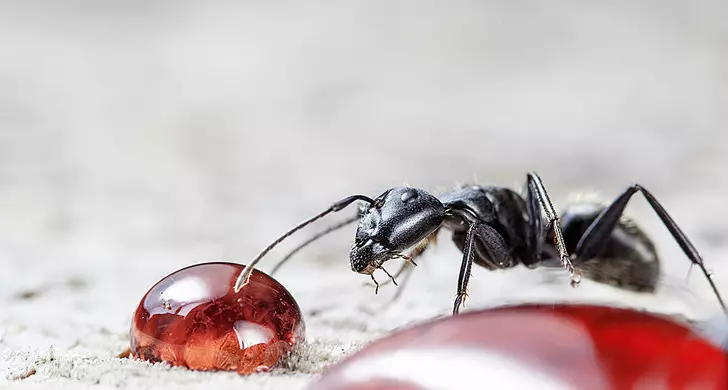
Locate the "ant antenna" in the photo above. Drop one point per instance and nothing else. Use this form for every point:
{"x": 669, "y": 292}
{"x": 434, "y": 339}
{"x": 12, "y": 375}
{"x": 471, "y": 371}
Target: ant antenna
{"x": 312, "y": 239}
{"x": 244, "y": 276}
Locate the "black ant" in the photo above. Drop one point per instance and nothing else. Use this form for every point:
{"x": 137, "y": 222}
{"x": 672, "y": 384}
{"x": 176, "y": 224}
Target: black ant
{"x": 497, "y": 228}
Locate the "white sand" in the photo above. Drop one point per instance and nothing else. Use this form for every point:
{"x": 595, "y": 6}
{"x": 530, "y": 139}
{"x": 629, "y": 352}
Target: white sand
{"x": 136, "y": 139}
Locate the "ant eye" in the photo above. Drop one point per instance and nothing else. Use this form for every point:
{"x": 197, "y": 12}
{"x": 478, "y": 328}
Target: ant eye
{"x": 408, "y": 196}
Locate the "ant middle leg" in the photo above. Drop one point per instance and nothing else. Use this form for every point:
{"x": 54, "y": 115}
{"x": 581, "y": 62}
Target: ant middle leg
{"x": 537, "y": 193}
{"x": 596, "y": 237}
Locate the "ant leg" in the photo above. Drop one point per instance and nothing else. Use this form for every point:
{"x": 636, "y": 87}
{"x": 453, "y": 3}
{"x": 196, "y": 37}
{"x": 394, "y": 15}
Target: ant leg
{"x": 536, "y": 187}
{"x": 244, "y": 276}
{"x": 402, "y": 283}
{"x": 535, "y": 227}
{"x": 407, "y": 269}
{"x": 312, "y": 239}
{"x": 409, "y": 258}
{"x": 376, "y": 290}
{"x": 595, "y": 237}
{"x": 496, "y": 248}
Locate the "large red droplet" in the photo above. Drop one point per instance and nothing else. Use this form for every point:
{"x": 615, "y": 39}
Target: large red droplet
{"x": 537, "y": 346}
{"x": 193, "y": 318}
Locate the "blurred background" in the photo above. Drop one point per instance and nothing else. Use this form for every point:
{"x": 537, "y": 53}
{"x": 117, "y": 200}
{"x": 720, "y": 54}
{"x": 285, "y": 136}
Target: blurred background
{"x": 140, "y": 137}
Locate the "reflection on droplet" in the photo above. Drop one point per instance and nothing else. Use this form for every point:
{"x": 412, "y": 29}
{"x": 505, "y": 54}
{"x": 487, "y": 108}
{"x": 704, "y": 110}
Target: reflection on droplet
{"x": 536, "y": 346}
{"x": 250, "y": 334}
{"x": 189, "y": 289}
{"x": 424, "y": 367}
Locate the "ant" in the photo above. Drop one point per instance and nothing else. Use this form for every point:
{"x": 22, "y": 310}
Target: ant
{"x": 497, "y": 228}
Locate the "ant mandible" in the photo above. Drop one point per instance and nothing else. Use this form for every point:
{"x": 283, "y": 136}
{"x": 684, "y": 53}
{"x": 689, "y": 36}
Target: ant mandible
{"x": 497, "y": 228}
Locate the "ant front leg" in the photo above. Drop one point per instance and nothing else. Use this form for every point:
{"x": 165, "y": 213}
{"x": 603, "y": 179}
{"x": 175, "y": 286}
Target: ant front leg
{"x": 408, "y": 264}
{"x": 595, "y": 237}
{"x": 409, "y": 259}
{"x": 537, "y": 191}
{"x": 496, "y": 251}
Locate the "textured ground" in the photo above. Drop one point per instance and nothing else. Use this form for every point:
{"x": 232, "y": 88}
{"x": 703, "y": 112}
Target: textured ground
{"x": 138, "y": 138}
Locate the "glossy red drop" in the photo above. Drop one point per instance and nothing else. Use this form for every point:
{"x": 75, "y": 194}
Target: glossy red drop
{"x": 537, "y": 346}
{"x": 193, "y": 318}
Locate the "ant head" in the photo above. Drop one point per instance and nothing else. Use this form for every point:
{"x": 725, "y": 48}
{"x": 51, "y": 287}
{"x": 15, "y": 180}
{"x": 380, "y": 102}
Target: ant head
{"x": 398, "y": 219}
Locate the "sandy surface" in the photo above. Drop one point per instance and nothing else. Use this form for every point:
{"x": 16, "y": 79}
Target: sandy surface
{"x": 136, "y": 139}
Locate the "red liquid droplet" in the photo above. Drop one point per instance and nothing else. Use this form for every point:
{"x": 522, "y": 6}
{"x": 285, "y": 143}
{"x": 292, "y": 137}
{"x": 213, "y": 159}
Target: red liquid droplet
{"x": 537, "y": 346}
{"x": 193, "y": 318}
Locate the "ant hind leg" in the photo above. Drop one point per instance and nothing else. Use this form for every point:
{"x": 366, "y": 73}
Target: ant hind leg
{"x": 596, "y": 237}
